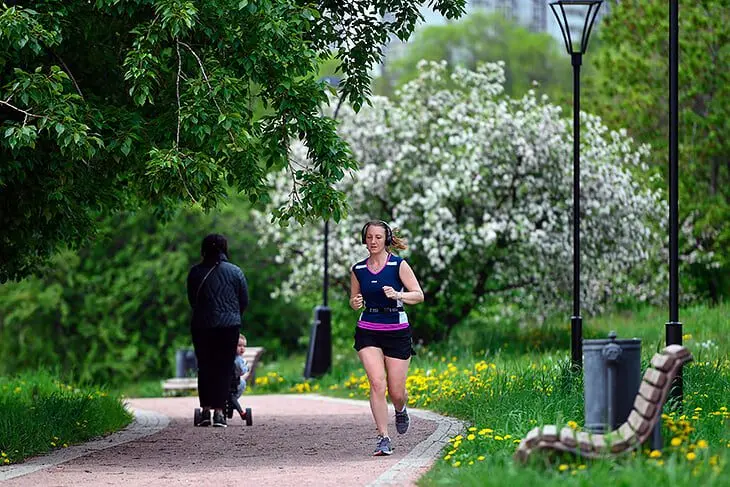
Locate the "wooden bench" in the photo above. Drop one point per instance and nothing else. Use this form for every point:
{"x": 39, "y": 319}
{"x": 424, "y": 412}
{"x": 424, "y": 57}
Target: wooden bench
{"x": 178, "y": 385}
{"x": 653, "y": 392}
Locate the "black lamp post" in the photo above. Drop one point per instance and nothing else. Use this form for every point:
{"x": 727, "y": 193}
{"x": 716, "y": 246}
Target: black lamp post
{"x": 674, "y": 326}
{"x": 319, "y": 353}
{"x": 576, "y": 18}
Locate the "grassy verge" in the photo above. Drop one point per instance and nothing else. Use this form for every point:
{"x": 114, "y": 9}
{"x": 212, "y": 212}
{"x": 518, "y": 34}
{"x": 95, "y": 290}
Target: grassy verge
{"x": 520, "y": 378}
{"x": 39, "y": 413}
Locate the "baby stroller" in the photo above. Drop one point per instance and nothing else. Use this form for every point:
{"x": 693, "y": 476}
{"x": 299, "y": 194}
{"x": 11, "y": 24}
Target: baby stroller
{"x": 231, "y": 405}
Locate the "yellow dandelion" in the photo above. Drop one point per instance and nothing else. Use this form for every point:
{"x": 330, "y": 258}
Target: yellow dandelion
{"x": 472, "y": 428}
{"x": 471, "y": 437}
{"x": 702, "y": 444}
{"x": 581, "y": 467}
{"x": 456, "y": 464}
{"x": 480, "y": 458}
{"x": 655, "y": 454}
{"x": 676, "y": 441}
{"x": 691, "y": 456}
{"x": 447, "y": 457}
{"x": 573, "y": 425}
{"x": 498, "y": 438}
{"x": 563, "y": 467}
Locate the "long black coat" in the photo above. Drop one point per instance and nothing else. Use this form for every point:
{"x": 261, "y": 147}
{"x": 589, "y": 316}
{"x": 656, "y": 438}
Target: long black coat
{"x": 222, "y": 298}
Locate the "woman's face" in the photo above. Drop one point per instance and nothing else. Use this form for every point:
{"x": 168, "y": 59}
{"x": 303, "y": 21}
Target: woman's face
{"x": 375, "y": 239}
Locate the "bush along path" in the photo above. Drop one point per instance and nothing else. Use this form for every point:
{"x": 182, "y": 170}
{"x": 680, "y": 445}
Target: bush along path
{"x": 294, "y": 440}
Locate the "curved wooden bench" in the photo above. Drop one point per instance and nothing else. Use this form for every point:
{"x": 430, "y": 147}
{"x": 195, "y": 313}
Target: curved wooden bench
{"x": 653, "y": 392}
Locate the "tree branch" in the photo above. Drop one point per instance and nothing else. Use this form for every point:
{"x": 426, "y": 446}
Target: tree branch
{"x": 205, "y": 76}
{"x": 69, "y": 73}
{"x": 177, "y": 93}
{"x": 26, "y": 113}
{"x": 339, "y": 104}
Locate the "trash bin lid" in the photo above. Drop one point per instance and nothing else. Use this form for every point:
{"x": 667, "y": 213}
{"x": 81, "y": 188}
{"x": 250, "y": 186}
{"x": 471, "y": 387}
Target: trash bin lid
{"x": 624, "y": 343}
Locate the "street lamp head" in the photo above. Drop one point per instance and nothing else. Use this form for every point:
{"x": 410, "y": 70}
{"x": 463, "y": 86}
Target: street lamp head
{"x": 576, "y": 18}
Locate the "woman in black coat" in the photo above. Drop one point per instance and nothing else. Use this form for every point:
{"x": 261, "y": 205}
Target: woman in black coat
{"x": 218, "y": 295}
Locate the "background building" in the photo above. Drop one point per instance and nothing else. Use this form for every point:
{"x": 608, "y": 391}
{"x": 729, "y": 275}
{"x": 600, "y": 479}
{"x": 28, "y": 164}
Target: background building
{"x": 535, "y": 15}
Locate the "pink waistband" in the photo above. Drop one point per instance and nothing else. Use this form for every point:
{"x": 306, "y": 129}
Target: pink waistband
{"x": 368, "y": 325}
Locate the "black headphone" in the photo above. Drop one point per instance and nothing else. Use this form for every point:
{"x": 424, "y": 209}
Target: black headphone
{"x": 388, "y": 231}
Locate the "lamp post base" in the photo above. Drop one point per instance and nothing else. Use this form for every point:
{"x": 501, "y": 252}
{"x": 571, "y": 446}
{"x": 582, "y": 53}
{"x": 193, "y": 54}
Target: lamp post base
{"x": 319, "y": 356}
{"x": 674, "y": 337}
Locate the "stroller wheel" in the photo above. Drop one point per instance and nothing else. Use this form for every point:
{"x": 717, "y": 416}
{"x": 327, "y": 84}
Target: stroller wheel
{"x": 197, "y": 416}
{"x": 249, "y": 419}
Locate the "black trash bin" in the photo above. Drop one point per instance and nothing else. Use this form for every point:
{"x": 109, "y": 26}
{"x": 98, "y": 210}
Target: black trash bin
{"x": 611, "y": 378}
{"x": 186, "y": 365}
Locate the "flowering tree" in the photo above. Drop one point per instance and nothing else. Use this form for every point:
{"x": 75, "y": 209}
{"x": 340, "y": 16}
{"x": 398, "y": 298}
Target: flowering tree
{"x": 481, "y": 185}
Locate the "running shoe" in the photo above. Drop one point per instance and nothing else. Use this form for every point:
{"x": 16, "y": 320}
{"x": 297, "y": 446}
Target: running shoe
{"x": 383, "y": 448}
{"x": 402, "y": 421}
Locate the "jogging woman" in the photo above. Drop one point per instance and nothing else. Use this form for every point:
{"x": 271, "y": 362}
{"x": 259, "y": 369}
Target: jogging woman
{"x": 380, "y": 285}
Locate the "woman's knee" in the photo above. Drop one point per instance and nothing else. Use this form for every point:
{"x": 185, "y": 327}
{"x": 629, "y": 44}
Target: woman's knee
{"x": 397, "y": 394}
{"x": 378, "y": 386}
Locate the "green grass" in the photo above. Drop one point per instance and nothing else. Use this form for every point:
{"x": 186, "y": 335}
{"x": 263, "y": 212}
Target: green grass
{"x": 543, "y": 391}
{"x": 145, "y": 388}
{"x": 39, "y": 413}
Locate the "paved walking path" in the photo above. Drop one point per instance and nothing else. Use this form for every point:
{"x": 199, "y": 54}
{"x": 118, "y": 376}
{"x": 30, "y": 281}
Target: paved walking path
{"x": 296, "y": 440}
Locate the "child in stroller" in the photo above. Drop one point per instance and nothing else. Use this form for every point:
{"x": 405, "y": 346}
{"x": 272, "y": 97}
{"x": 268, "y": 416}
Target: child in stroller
{"x": 238, "y": 383}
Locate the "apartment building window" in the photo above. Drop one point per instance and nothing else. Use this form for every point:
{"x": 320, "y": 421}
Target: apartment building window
{"x": 539, "y": 16}
{"x": 508, "y": 8}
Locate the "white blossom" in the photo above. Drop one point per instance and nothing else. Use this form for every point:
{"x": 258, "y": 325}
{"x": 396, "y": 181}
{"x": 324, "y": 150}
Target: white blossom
{"x": 481, "y": 185}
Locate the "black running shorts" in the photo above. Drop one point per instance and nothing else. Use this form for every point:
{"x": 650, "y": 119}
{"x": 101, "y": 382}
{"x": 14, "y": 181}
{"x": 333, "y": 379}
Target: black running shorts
{"x": 395, "y": 343}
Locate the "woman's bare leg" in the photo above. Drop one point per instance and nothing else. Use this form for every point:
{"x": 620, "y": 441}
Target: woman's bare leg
{"x": 373, "y": 360}
{"x": 397, "y": 373}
